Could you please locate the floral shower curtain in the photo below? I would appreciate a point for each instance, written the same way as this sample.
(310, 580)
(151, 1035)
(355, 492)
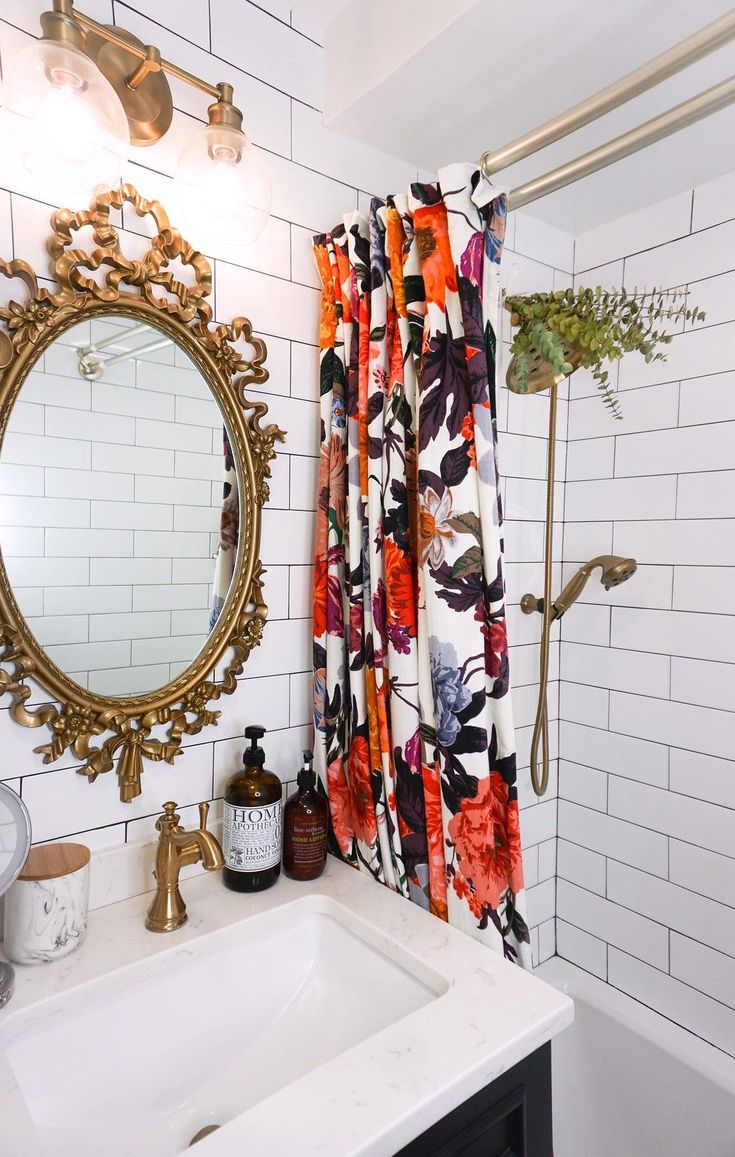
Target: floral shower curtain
(414, 730)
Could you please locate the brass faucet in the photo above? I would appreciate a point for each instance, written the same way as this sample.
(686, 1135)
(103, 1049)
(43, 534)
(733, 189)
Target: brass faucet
(177, 848)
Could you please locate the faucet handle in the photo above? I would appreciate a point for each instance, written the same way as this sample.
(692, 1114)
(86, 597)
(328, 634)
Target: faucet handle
(170, 818)
(203, 813)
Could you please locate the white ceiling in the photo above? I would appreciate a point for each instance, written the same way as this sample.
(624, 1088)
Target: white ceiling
(469, 76)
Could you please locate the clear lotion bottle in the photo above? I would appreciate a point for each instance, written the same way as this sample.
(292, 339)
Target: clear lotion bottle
(251, 828)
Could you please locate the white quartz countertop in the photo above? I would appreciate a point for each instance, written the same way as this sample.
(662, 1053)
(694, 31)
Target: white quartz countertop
(370, 1100)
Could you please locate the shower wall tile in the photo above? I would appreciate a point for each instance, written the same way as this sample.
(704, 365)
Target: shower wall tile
(701, 967)
(651, 409)
(590, 458)
(703, 776)
(583, 785)
(690, 258)
(708, 684)
(651, 498)
(694, 353)
(676, 815)
(581, 866)
(709, 399)
(653, 226)
(543, 242)
(613, 837)
(681, 1003)
(700, 870)
(621, 754)
(713, 493)
(587, 952)
(678, 908)
(700, 588)
(668, 451)
(701, 636)
(688, 542)
(678, 724)
(579, 703)
(616, 925)
(669, 666)
(714, 202)
(616, 669)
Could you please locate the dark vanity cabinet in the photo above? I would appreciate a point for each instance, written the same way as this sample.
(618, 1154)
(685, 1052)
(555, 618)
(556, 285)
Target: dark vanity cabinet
(509, 1118)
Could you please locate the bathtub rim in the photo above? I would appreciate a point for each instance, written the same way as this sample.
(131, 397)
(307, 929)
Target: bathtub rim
(685, 1046)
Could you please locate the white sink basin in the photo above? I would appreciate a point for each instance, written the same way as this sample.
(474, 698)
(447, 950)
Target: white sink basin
(138, 1061)
(334, 1019)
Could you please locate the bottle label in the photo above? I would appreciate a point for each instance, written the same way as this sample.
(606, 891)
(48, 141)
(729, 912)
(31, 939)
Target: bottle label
(309, 840)
(251, 837)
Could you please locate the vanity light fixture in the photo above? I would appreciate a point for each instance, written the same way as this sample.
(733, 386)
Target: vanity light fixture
(68, 123)
(80, 95)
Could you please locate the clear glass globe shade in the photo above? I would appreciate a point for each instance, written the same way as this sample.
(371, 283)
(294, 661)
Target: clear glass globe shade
(66, 118)
(224, 185)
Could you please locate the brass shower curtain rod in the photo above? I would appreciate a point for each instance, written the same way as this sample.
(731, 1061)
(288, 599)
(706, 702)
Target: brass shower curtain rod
(666, 64)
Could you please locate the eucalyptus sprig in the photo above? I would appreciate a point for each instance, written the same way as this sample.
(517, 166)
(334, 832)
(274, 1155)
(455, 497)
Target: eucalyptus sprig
(594, 327)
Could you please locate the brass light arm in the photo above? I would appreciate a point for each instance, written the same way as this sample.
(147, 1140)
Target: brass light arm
(151, 63)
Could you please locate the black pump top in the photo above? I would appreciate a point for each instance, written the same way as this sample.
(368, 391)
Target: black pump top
(254, 756)
(306, 777)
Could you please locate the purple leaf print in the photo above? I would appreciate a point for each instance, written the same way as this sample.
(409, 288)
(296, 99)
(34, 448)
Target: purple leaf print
(470, 263)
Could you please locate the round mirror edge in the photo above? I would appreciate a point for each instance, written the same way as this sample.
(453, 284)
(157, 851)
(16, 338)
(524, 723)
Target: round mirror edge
(23, 823)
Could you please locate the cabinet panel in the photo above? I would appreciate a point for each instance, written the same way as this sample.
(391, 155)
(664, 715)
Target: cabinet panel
(509, 1118)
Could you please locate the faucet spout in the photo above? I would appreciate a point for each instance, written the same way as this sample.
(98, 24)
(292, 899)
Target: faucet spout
(176, 849)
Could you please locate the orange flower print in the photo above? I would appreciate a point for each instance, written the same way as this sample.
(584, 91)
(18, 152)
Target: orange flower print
(320, 596)
(395, 242)
(488, 854)
(435, 838)
(432, 241)
(327, 324)
(339, 806)
(436, 533)
(361, 791)
(400, 585)
(468, 433)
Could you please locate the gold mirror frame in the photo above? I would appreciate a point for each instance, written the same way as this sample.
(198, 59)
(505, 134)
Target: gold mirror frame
(148, 288)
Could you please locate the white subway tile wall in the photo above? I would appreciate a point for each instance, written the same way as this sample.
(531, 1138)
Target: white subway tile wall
(646, 828)
(317, 176)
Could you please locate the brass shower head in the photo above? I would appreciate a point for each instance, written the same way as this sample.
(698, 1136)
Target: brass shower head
(615, 570)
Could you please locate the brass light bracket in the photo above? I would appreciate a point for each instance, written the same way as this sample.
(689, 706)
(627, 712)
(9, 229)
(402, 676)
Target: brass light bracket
(140, 82)
(137, 72)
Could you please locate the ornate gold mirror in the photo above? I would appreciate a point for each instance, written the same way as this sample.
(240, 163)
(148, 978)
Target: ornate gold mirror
(133, 470)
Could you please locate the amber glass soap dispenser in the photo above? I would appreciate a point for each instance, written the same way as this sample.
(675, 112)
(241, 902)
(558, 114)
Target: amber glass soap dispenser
(305, 819)
(251, 828)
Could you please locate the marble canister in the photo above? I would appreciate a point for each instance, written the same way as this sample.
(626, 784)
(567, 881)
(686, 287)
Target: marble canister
(46, 908)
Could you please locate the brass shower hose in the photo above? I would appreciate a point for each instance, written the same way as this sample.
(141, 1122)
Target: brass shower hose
(541, 725)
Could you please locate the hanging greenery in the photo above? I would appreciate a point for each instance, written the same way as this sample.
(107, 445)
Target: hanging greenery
(592, 327)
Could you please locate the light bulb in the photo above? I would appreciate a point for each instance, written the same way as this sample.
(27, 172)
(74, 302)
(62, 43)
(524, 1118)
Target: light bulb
(67, 120)
(224, 185)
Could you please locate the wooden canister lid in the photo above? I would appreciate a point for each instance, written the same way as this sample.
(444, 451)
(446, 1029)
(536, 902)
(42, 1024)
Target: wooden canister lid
(49, 861)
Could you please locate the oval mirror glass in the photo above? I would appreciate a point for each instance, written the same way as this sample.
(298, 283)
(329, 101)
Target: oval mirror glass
(120, 509)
